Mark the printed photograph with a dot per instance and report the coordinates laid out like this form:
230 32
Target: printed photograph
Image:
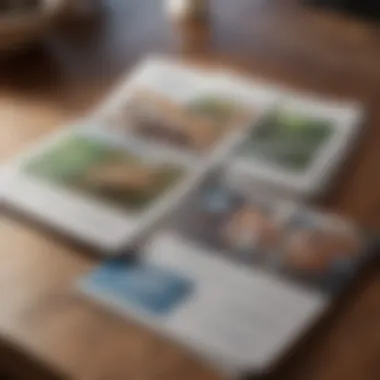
298 245
222 220
320 252
288 140
150 288
108 174
196 126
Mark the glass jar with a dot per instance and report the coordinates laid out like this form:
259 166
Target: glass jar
188 8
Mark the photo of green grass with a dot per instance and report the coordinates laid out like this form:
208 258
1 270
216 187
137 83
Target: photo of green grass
287 139
100 171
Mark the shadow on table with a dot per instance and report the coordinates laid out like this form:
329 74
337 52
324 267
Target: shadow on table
17 364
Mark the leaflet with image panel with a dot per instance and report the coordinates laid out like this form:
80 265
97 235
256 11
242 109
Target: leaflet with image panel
242 276
94 189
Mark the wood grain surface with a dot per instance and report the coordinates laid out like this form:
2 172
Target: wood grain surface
277 40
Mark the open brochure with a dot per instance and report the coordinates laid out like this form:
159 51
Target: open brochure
108 177
202 168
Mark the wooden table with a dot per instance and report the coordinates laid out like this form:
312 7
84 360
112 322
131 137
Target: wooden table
60 81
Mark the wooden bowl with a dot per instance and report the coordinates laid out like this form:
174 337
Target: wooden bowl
22 27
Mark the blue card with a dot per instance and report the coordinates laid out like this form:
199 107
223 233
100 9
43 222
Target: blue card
147 287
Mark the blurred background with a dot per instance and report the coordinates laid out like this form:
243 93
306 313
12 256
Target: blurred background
59 58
